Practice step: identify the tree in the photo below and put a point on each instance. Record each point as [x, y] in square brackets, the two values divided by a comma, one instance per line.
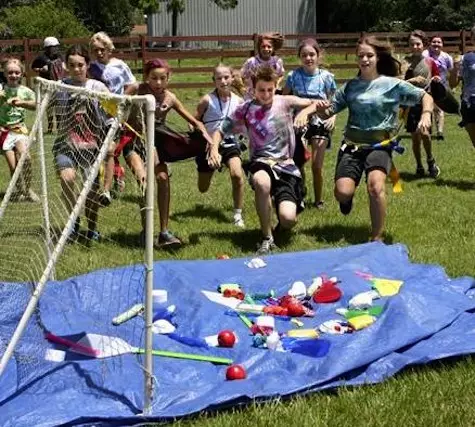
[41, 19]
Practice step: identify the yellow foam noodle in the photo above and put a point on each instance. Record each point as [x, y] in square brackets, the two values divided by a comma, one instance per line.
[387, 287]
[395, 179]
[303, 333]
[361, 322]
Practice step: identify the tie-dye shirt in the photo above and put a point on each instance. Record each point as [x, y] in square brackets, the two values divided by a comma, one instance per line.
[251, 66]
[374, 105]
[270, 128]
[443, 61]
[320, 85]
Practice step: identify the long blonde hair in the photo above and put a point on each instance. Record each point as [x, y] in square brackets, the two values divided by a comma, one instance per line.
[237, 84]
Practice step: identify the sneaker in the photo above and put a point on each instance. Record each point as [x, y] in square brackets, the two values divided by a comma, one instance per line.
[439, 136]
[319, 205]
[31, 196]
[93, 236]
[420, 172]
[105, 198]
[167, 240]
[345, 207]
[238, 221]
[434, 170]
[266, 246]
[74, 233]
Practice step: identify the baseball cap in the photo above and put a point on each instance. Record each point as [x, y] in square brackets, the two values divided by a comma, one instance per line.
[50, 41]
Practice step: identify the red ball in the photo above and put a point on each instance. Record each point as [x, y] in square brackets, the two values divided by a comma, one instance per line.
[226, 338]
[235, 372]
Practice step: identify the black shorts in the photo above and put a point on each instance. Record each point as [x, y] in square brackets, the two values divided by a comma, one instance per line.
[134, 145]
[229, 148]
[353, 164]
[468, 113]
[315, 129]
[288, 188]
[413, 118]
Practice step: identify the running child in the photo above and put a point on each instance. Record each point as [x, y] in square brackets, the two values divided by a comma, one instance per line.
[76, 147]
[267, 46]
[268, 121]
[15, 99]
[419, 71]
[157, 74]
[373, 100]
[464, 71]
[212, 109]
[445, 64]
[117, 76]
[312, 82]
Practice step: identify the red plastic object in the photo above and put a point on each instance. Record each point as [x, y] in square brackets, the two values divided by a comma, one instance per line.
[226, 338]
[235, 372]
[275, 310]
[233, 293]
[296, 310]
[327, 293]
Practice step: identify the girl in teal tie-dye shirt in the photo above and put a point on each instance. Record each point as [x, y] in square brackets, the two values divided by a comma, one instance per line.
[373, 99]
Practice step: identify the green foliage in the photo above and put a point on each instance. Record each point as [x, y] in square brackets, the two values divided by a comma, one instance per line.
[41, 19]
[112, 16]
[395, 15]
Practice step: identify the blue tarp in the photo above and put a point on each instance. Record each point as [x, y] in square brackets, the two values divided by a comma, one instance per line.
[431, 318]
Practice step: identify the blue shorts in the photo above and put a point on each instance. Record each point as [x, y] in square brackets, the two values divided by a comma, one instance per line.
[69, 158]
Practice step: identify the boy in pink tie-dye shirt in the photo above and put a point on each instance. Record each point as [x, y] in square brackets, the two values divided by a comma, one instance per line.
[268, 121]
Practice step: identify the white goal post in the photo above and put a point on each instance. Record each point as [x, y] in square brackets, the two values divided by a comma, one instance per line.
[53, 101]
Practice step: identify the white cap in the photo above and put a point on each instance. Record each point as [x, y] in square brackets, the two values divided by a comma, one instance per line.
[50, 41]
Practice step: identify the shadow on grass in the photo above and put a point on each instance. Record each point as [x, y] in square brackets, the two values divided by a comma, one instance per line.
[129, 198]
[348, 233]
[245, 240]
[461, 185]
[201, 211]
[411, 177]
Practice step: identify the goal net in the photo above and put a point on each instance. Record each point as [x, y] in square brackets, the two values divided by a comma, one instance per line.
[53, 227]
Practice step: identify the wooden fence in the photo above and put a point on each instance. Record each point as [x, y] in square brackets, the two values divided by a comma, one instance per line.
[139, 49]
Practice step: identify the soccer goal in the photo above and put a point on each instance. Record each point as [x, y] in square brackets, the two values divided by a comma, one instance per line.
[53, 226]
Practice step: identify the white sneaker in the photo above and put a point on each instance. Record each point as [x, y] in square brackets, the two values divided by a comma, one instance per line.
[31, 196]
[105, 198]
[238, 221]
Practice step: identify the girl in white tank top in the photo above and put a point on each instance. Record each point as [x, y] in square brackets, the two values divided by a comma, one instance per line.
[212, 109]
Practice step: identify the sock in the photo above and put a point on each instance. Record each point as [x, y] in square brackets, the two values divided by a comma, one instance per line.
[237, 212]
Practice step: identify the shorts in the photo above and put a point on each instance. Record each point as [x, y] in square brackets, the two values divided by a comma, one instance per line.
[353, 164]
[468, 113]
[229, 148]
[288, 188]
[128, 144]
[315, 129]
[413, 118]
[9, 139]
[67, 157]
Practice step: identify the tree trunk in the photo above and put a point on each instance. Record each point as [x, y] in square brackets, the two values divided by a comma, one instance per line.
[175, 14]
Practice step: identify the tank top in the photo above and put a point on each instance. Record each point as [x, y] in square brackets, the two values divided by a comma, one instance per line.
[218, 110]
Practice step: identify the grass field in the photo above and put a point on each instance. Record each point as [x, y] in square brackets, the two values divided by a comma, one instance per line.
[433, 218]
